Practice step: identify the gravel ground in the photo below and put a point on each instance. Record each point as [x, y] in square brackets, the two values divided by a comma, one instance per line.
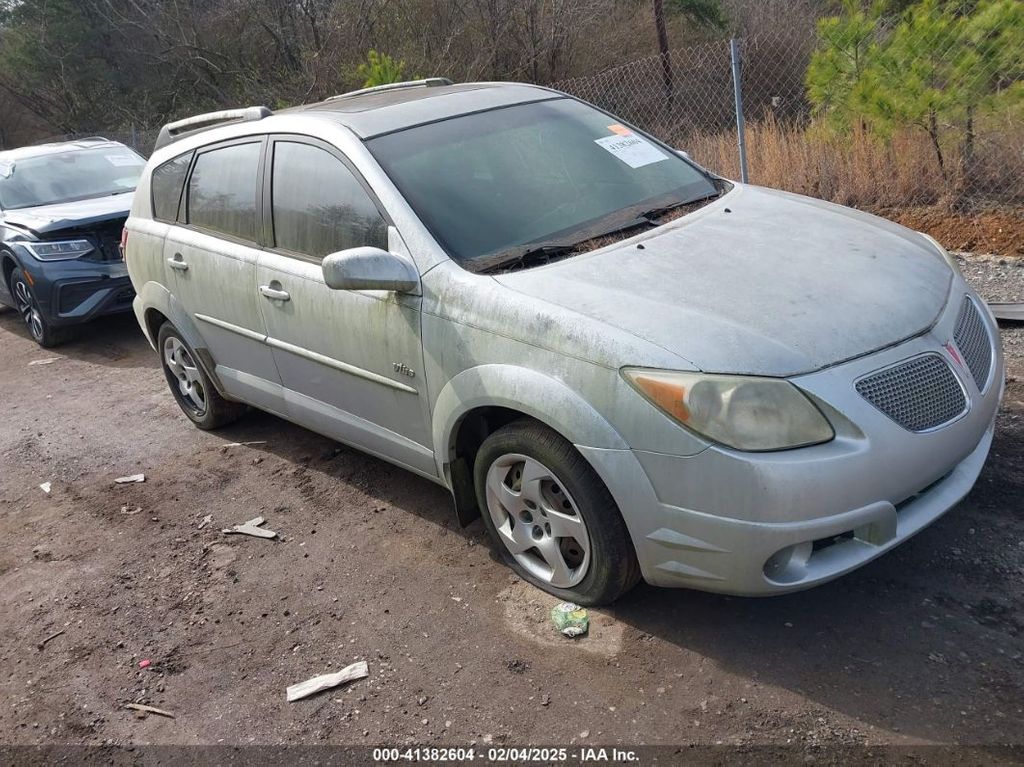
[922, 646]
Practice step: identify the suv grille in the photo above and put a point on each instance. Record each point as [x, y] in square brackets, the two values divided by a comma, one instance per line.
[918, 394]
[973, 342]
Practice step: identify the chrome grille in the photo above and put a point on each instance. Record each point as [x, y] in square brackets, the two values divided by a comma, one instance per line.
[918, 394]
[973, 342]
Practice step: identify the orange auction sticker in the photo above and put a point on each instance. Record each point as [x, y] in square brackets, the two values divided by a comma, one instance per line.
[622, 130]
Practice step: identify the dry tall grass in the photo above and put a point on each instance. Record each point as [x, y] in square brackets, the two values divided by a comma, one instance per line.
[865, 171]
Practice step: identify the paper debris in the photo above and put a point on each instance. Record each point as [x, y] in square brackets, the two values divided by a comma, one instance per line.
[327, 681]
[205, 521]
[252, 527]
[130, 478]
[45, 487]
[46, 361]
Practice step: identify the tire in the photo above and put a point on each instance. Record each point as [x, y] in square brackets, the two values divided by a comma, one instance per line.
[192, 389]
[564, 512]
[41, 330]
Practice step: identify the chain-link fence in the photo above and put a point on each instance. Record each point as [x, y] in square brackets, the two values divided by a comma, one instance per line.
[911, 117]
[920, 117]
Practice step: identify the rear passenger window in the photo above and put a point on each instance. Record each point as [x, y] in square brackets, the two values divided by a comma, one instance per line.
[222, 190]
[319, 206]
[166, 186]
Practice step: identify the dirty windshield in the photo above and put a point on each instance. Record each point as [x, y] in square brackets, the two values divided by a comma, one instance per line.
[545, 174]
[77, 174]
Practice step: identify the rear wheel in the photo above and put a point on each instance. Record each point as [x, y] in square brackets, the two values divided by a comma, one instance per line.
[191, 387]
[41, 330]
[552, 518]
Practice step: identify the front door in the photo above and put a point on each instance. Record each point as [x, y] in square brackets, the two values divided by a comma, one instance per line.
[210, 260]
[350, 361]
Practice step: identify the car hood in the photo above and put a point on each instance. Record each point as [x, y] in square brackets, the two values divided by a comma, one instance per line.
[759, 282]
[69, 215]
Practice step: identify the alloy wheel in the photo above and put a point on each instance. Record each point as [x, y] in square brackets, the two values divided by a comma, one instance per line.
[537, 520]
[28, 310]
[181, 365]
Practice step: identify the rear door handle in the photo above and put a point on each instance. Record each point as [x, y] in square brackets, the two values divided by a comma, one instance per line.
[177, 262]
[274, 294]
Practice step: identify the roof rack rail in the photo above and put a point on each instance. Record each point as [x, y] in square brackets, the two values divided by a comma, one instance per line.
[429, 82]
[181, 128]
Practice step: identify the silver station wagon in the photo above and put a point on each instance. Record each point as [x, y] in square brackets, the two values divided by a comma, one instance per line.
[628, 366]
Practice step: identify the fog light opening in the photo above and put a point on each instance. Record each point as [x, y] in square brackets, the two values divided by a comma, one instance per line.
[789, 565]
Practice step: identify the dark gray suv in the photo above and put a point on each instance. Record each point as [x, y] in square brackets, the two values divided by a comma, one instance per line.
[62, 210]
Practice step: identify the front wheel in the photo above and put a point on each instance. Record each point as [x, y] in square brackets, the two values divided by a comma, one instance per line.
[41, 330]
[552, 519]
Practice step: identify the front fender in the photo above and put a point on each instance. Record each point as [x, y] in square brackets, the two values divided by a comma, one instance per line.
[537, 395]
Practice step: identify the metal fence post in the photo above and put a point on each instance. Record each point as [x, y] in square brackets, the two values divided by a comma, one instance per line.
[737, 81]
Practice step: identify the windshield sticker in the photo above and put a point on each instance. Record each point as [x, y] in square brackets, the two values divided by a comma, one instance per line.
[6, 169]
[622, 130]
[121, 160]
[633, 150]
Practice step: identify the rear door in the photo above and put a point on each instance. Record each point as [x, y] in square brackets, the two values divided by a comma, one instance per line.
[211, 257]
[350, 360]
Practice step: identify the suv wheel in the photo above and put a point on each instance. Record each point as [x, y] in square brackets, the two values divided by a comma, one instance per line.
[191, 387]
[552, 518]
[42, 332]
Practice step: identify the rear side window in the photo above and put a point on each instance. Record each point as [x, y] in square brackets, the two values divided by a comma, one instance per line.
[166, 185]
[319, 206]
[222, 190]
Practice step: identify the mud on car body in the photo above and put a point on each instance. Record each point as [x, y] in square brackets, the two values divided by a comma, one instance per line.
[62, 211]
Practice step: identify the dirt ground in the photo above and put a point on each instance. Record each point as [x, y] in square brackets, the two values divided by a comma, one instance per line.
[999, 231]
[924, 645]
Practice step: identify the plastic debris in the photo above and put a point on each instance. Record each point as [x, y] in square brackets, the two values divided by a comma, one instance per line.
[149, 709]
[46, 361]
[129, 511]
[146, 663]
[205, 521]
[1007, 311]
[45, 487]
[225, 447]
[252, 527]
[130, 478]
[571, 620]
[327, 681]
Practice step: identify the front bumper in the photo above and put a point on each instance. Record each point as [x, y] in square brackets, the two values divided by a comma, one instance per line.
[72, 292]
[771, 523]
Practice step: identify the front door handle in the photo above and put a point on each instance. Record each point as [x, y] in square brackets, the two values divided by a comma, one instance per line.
[178, 263]
[274, 294]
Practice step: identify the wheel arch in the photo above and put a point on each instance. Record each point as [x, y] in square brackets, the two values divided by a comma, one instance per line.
[478, 401]
[154, 305]
[8, 263]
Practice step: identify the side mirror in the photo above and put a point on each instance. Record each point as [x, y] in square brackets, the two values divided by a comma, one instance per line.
[684, 154]
[369, 268]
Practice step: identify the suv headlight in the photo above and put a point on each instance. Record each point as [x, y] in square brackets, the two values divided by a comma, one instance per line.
[58, 250]
[743, 412]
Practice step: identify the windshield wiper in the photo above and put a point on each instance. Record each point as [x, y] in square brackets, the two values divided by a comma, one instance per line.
[653, 214]
[523, 256]
[545, 252]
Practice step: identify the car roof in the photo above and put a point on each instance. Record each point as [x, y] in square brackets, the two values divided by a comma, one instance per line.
[39, 150]
[373, 113]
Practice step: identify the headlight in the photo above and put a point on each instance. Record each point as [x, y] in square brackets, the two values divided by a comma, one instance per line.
[742, 412]
[944, 253]
[58, 250]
